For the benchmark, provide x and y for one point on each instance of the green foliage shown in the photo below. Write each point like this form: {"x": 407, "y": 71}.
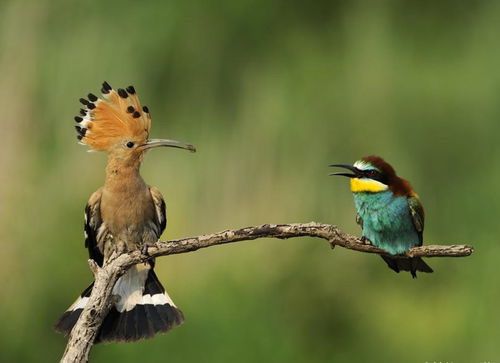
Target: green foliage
{"x": 270, "y": 92}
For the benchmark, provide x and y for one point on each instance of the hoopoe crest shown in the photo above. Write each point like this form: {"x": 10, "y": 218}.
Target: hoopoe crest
{"x": 117, "y": 121}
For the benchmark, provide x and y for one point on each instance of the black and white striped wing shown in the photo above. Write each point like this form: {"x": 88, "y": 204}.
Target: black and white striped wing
{"x": 93, "y": 223}
{"x": 94, "y": 227}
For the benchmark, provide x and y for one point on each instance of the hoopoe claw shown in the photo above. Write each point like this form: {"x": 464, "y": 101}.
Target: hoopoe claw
{"x": 145, "y": 246}
{"x": 144, "y": 249}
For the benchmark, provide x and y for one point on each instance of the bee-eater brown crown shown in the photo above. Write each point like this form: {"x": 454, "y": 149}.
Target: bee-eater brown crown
{"x": 399, "y": 186}
{"x": 113, "y": 119}
{"x": 379, "y": 163}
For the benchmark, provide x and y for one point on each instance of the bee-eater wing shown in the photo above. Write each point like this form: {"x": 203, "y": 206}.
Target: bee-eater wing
{"x": 417, "y": 215}
{"x": 359, "y": 220}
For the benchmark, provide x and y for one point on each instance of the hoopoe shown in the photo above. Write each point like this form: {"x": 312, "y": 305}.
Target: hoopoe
{"x": 124, "y": 215}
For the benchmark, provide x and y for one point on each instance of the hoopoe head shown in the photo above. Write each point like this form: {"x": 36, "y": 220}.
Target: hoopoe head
{"x": 118, "y": 124}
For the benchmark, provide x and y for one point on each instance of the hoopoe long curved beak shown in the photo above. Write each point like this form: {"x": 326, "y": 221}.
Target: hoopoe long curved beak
{"x": 168, "y": 143}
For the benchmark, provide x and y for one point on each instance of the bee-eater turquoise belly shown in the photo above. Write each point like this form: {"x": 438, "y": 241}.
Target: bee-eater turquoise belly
{"x": 387, "y": 222}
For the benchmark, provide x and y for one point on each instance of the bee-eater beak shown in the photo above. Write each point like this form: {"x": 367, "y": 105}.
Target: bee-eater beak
{"x": 168, "y": 143}
{"x": 345, "y": 166}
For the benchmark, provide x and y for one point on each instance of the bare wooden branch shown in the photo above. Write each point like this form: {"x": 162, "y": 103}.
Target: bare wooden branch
{"x": 83, "y": 334}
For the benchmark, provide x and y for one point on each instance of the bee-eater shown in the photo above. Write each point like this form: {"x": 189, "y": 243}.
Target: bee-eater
{"x": 124, "y": 215}
{"x": 388, "y": 211}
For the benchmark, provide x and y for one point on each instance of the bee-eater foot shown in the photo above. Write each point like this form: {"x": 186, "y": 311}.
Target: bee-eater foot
{"x": 365, "y": 240}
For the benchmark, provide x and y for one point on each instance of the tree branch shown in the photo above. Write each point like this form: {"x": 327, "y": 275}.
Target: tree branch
{"x": 83, "y": 334}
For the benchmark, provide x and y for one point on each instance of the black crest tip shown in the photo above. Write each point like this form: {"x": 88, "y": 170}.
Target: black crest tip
{"x": 83, "y": 112}
{"x": 81, "y": 130}
{"x": 131, "y": 90}
{"x": 145, "y": 109}
{"x": 130, "y": 109}
{"x": 106, "y": 86}
{"x": 83, "y": 101}
{"x": 78, "y": 119}
{"x": 92, "y": 97}
{"x": 136, "y": 114}
{"x": 91, "y": 106}
{"x": 122, "y": 93}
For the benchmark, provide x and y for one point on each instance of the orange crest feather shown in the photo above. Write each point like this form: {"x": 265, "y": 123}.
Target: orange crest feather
{"x": 115, "y": 118}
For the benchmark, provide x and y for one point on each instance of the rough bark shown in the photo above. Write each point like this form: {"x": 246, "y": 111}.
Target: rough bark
{"x": 83, "y": 334}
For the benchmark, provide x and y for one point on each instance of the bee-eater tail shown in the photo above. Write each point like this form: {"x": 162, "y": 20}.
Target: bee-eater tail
{"x": 143, "y": 308}
{"x": 411, "y": 265}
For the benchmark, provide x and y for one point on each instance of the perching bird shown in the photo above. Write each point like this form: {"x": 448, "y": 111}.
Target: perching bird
{"x": 388, "y": 210}
{"x": 124, "y": 215}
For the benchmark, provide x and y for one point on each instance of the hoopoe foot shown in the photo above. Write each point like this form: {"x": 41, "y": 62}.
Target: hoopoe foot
{"x": 144, "y": 248}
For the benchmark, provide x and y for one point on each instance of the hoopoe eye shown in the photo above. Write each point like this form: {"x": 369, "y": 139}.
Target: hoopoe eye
{"x": 130, "y": 144}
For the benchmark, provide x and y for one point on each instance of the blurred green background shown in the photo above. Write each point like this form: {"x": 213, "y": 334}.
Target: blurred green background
{"x": 270, "y": 92}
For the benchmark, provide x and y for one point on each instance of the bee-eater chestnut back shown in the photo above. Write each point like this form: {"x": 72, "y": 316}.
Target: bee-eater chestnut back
{"x": 388, "y": 210}
{"x": 124, "y": 215}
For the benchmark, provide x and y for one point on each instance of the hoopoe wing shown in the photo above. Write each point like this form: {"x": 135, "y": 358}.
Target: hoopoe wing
{"x": 161, "y": 210}
{"x": 93, "y": 223}
{"x": 94, "y": 228}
